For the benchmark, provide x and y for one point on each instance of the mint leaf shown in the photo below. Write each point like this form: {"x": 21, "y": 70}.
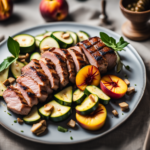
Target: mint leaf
{"x": 8, "y": 61}
{"x": 13, "y": 47}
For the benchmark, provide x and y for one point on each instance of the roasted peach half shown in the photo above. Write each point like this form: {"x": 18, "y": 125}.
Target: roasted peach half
{"x": 95, "y": 120}
{"x": 113, "y": 86}
{"x": 88, "y": 75}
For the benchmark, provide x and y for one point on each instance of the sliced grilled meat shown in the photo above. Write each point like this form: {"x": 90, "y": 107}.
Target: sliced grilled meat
{"x": 28, "y": 94}
{"x": 77, "y": 58}
{"x": 79, "y": 49}
{"x": 34, "y": 70}
{"x": 110, "y": 56}
{"x": 70, "y": 62}
{"x": 49, "y": 69}
{"x": 61, "y": 66}
{"x": 38, "y": 90}
{"x": 15, "y": 101}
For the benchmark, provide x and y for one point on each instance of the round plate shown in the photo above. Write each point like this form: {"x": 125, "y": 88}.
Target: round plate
{"x": 137, "y": 76}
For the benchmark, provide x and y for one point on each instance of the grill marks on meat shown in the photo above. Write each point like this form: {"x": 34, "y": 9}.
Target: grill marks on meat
{"x": 38, "y": 90}
{"x": 35, "y": 71}
{"x": 98, "y": 54}
{"x": 28, "y": 94}
{"x": 15, "y": 101}
{"x": 70, "y": 62}
{"x": 49, "y": 69}
{"x": 60, "y": 66}
{"x": 77, "y": 58}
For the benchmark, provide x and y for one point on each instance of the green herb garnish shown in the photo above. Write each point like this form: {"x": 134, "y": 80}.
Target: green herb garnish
{"x": 71, "y": 138}
{"x": 15, "y": 121}
{"x": 14, "y": 49}
{"x": 111, "y": 42}
{"x": 22, "y": 131}
{"x": 62, "y": 129}
{"x": 9, "y": 114}
{"x": 135, "y": 84}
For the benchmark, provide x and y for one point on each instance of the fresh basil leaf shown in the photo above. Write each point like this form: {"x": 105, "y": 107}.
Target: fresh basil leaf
{"x": 13, "y": 47}
{"x": 121, "y": 39}
{"x": 105, "y": 38}
{"x": 7, "y": 62}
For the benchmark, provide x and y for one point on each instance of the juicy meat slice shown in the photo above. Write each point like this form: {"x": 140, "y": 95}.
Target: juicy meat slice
{"x": 77, "y": 58}
{"x": 28, "y": 94}
{"x": 38, "y": 90}
{"x": 61, "y": 66}
{"x": 70, "y": 62}
{"x": 34, "y": 70}
{"x": 79, "y": 49}
{"x": 49, "y": 69}
{"x": 15, "y": 101}
{"x": 110, "y": 56}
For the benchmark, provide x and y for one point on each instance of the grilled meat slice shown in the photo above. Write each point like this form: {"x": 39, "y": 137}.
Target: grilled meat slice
{"x": 110, "y": 56}
{"x": 49, "y": 69}
{"x": 61, "y": 66}
{"x": 34, "y": 70}
{"x": 38, "y": 90}
{"x": 79, "y": 49}
{"x": 28, "y": 94}
{"x": 70, "y": 62}
{"x": 15, "y": 101}
{"x": 77, "y": 58}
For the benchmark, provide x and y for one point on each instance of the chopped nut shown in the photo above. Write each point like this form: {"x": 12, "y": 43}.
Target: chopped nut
{"x": 48, "y": 107}
{"x": 65, "y": 35}
{"x": 35, "y": 127}
{"x": 27, "y": 55}
{"x": 115, "y": 112}
{"x": 22, "y": 60}
{"x": 20, "y": 121}
{"x": 71, "y": 123}
{"x": 21, "y": 57}
{"x": 6, "y": 82}
{"x": 127, "y": 82}
{"x": 91, "y": 98}
{"x": 23, "y": 39}
{"x": 124, "y": 106}
{"x": 43, "y": 122}
{"x": 43, "y": 128}
{"x": 11, "y": 80}
{"x": 130, "y": 90}
{"x": 45, "y": 48}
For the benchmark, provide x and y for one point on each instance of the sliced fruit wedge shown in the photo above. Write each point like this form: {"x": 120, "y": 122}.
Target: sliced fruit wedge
{"x": 78, "y": 96}
{"x": 26, "y": 42}
{"x": 59, "y": 112}
{"x": 4, "y": 75}
{"x": 32, "y": 117}
{"x": 103, "y": 98}
{"x": 89, "y": 105}
{"x": 88, "y": 75}
{"x": 64, "y": 97}
{"x": 93, "y": 121}
{"x": 83, "y": 35}
{"x": 2, "y": 88}
{"x": 64, "y": 43}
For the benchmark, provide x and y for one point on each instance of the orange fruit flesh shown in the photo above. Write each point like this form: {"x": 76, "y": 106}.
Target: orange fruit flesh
{"x": 83, "y": 74}
{"x": 121, "y": 85}
{"x": 95, "y": 121}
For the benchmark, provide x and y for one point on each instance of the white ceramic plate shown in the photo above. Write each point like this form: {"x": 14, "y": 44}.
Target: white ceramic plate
{"x": 137, "y": 76}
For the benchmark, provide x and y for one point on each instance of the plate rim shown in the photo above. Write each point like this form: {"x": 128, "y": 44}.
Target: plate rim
{"x": 104, "y": 133}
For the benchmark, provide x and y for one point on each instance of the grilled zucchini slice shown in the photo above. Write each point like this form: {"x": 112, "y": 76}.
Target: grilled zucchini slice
{"x": 4, "y": 75}
{"x": 83, "y": 35}
{"x": 103, "y": 98}
{"x": 74, "y": 36}
{"x": 35, "y": 55}
{"x": 64, "y": 97}
{"x": 2, "y": 88}
{"x": 44, "y": 114}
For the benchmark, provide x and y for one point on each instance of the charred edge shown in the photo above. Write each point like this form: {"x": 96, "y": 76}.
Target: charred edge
{"x": 51, "y": 49}
{"x": 81, "y": 61}
{"x": 98, "y": 57}
{"x": 32, "y": 68}
{"x": 64, "y": 51}
{"x": 44, "y": 92}
{"x": 93, "y": 37}
{"x": 59, "y": 57}
{"x": 49, "y": 66}
{"x": 31, "y": 94}
{"x": 23, "y": 87}
{"x": 102, "y": 52}
{"x": 99, "y": 48}
{"x": 42, "y": 76}
{"x": 85, "y": 45}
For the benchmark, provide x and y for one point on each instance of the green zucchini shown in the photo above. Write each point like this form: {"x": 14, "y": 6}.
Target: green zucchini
{"x": 44, "y": 114}
{"x": 83, "y": 35}
{"x": 78, "y": 96}
{"x": 4, "y": 75}
{"x": 47, "y": 33}
{"x": 26, "y": 42}
{"x": 74, "y": 36}
{"x": 88, "y": 105}
{"x": 48, "y": 41}
{"x": 103, "y": 98}
{"x": 59, "y": 112}
{"x": 32, "y": 117}
{"x": 37, "y": 42}
{"x": 35, "y": 55}
{"x": 2, "y": 88}
{"x": 64, "y": 43}
{"x": 64, "y": 97}
{"x": 16, "y": 68}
